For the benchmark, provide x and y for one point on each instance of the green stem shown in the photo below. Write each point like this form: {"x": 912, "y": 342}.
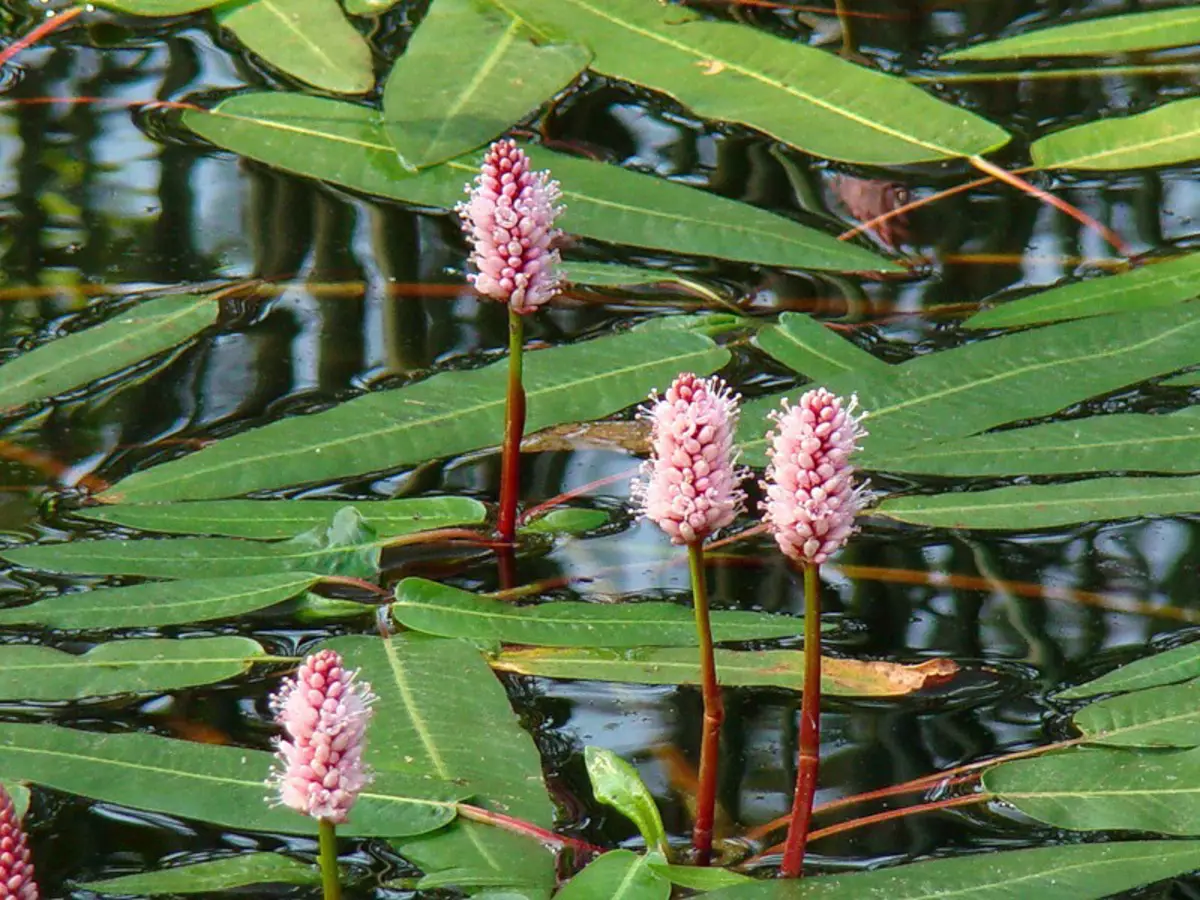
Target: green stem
{"x": 514, "y": 429}
{"x": 843, "y": 15}
{"x": 810, "y": 730}
{"x": 714, "y": 711}
{"x": 327, "y": 833}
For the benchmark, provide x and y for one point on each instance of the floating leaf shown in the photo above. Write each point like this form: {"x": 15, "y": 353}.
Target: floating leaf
{"x": 123, "y": 339}
{"x": 1028, "y": 507}
{"x": 468, "y": 74}
{"x": 209, "y": 783}
{"x": 567, "y": 521}
{"x": 1096, "y": 37}
{"x": 1155, "y": 284}
{"x": 160, "y": 603}
{"x": 438, "y": 700}
{"x": 265, "y": 519}
{"x": 243, "y": 870}
{"x": 1167, "y": 716}
{"x": 1165, "y": 136}
{"x": 148, "y": 665}
{"x": 434, "y": 608}
{"x": 594, "y": 274}
{"x": 158, "y": 7}
{"x": 617, "y": 784}
{"x": 617, "y": 875}
{"x": 803, "y": 96}
{"x": 806, "y": 346}
{"x": 1061, "y": 872}
{"x": 311, "y": 41}
{"x": 735, "y": 668}
{"x": 1129, "y": 442}
{"x": 344, "y": 144}
{"x": 1091, "y": 789}
{"x": 1187, "y": 379}
{"x": 1168, "y": 667}
{"x": 450, "y": 413}
{"x": 699, "y": 879}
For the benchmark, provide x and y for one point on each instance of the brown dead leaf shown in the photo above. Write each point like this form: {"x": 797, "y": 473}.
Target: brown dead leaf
{"x": 887, "y": 679}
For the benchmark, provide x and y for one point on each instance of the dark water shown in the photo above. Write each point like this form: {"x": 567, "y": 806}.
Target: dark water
{"x": 102, "y": 199}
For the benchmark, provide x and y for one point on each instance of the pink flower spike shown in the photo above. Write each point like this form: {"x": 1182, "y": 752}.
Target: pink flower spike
{"x": 509, "y": 219}
{"x": 16, "y": 870}
{"x": 325, "y": 713}
{"x": 811, "y": 499}
{"x": 689, "y": 486}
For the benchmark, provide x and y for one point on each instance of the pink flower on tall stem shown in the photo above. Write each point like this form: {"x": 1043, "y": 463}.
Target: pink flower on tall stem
{"x": 16, "y": 870}
{"x": 324, "y": 712}
{"x": 509, "y": 219}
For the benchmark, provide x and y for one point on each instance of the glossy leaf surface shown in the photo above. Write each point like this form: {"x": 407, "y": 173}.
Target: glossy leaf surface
{"x": 1167, "y": 716}
{"x": 1166, "y": 667}
{"x": 243, "y": 870}
{"x": 1166, "y": 135}
{"x": 1096, "y": 37}
{"x": 617, "y": 784}
{"x": 617, "y": 875}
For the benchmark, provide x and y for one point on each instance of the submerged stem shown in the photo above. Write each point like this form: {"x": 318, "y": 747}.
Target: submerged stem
{"x": 810, "y": 730}
{"x": 514, "y": 429}
{"x": 327, "y": 837}
{"x": 714, "y": 711}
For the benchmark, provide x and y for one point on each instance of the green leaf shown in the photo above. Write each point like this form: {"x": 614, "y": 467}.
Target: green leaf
{"x": 1061, "y": 872}
{"x": 594, "y": 274}
{"x": 265, "y": 519}
{"x": 467, "y": 75}
{"x": 809, "y": 348}
{"x": 1155, "y": 284}
{"x": 160, "y": 603}
{"x": 123, "y": 339}
{"x": 344, "y": 144}
{"x": 311, "y": 41}
{"x": 1165, "y": 136}
{"x": 221, "y": 785}
{"x": 434, "y": 608}
{"x": 567, "y": 521}
{"x": 1187, "y": 379}
{"x": 158, "y": 7}
{"x": 954, "y": 393}
{"x": 617, "y": 875}
{"x": 1167, "y": 716}
{"x": 147, "y": 665}
{"x": 1092, "y": 789}
{"x": 698, "y": 879}
{"x": 243, "y": 870}
{"x": 442, "y": 712}
{"x": 805, "y": 97}
{"x": 1096, "y": 37}
{"x": 617, "y": 784}
{"x": 450, "y": 413}
{"x": 368, "y": 7}
{"x": 1128, "y": 442}
{"x": 1167, "y": 667}
{"x": 1028, "y": 507}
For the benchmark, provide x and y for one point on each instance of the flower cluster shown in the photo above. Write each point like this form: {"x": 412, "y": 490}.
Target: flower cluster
{"x": 811, "y": 498}
{"x": 16, "y": 871}
{"x": 689, "y": 486}
{"x": 325, "y": 713}
{"x": 510, "y": 221}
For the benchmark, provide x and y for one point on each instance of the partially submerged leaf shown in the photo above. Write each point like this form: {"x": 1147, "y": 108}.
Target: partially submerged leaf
{"x": 567, "y": 521}
{"x": 617, "y": 784}
{"x": 210, "y": 876}
{"x": 1165, "y": 136}
{"x": 1107, "y": 36}
{"x": 158, "y": 7}
{"x": 1166, "y": 667}
{"x": 1167, "y": 716}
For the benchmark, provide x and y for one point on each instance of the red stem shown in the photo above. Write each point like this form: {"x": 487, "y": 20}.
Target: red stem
{"x": 714, "y": 712}
{"x": 53, "y": 21}
{"x": 534, "y": 512}
{"x": 514, "y": 430}
{"x": 528, "y": 829}
{"x": 810, "y": 730}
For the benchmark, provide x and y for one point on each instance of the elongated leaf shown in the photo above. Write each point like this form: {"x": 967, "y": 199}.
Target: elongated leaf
{"x": 442, "y": 712}
{"x": 1129, "y": 442}
{"x": 1159, "y": 284}
{"x": 1101, "y": 788}
{"x": 617, "y": 875}
{"x": 450, "y": 413}
{"x": 735, "y": 668}
{"x": 1167, "y": 716}
{"x": 567, "y": 521}
{"x": 1063, "y": 872}
{"x": 469, "y": 72}
{"x": 368, "y": 7}
{"x": 596, "y": 274}
{"x": 344, "y": 144}
{"x": 1096, "y": 37}
{"x": 1027, "y": 507}
{"x": 954, "y": 393}
{"x": 1164, "y": 136}
{"x": 1168, "y": 667}
{"x": 617, "y": 784}
{"x": 1187, "y": 379}
{"x": 311, "y": 41}
{"x": 243, "y": 870}
{"x": 30, "y": 672}
{"x": 124, "y": 339}
{"x": 806, "y": 346}
{"x": 805, "y": 97}
{"x": 434, "y": 608}
{"x": 158, "y": 7}
{"x": 221, "y": 785}
{"x": 699, "y": 879}
{"x": 285, "y": 518}
{"x": 160, "y": 603}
